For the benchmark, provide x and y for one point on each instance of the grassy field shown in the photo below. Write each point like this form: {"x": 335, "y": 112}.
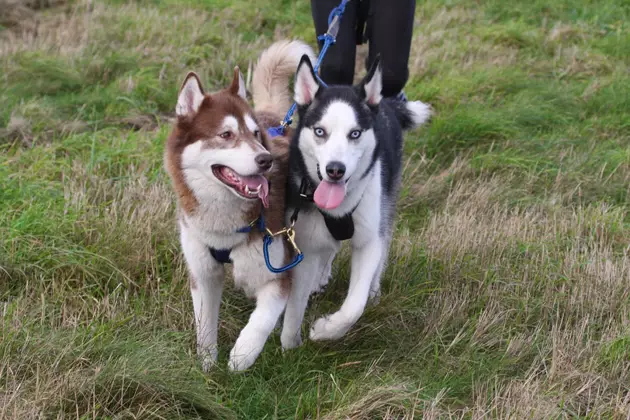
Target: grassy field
{"x": 508, "y": 289}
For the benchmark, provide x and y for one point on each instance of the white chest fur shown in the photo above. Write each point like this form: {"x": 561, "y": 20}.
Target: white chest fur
{"x": 249, "y": 269}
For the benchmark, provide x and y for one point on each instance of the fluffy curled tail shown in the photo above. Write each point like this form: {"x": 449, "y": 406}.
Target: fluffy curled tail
{"x": 270, "y": 79}
{"x": 411, "y": 114}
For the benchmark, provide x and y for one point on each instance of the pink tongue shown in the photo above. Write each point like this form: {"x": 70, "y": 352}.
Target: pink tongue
{"x": 253, "y": 182}
{"x": 329, "y": 195}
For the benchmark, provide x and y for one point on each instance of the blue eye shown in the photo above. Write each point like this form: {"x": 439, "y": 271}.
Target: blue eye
{"x": 355, "y": 134}
{"x": 319, "y": 132}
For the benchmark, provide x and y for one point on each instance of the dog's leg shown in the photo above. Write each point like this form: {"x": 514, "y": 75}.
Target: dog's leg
{"x": 366, "y": 260}
{"x": 375, "y": 287}
{"x": 304, "y": 276}
{"x": 271, "y": 300}
{"x": 320, "y": 285}
{"x": 206, "y": 286}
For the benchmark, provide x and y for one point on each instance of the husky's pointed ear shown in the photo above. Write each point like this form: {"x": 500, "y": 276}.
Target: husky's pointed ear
{"x": 372, "y": 84}
{"x": 306, "y": 84}
{"x": 238, "y": 84}
{"x": 190, "y": 96}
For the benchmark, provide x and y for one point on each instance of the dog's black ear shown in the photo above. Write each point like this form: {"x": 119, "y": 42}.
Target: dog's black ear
{"x": 238, "y": 84}
{"x": 190, "y": 96}
{"x": 372, "y": 84}
{"x": 306, "y": 84}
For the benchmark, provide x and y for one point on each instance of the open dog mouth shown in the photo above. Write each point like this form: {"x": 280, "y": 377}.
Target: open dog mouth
{"x": 250, "y": 187}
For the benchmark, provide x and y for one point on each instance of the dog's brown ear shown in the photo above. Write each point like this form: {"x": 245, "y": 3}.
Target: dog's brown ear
{"x": 190, "y": 96}
{"x": 238, "y": 84}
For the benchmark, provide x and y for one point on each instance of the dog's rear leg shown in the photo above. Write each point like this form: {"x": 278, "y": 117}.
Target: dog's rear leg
{"x": 375, "y": 287}
{"x": 320, "y": 285}
{"x": 366, "y": 260}
{"x": 271, "y": 300}
{"x": 206, "y": 286}
{"x": 304, "y": 277}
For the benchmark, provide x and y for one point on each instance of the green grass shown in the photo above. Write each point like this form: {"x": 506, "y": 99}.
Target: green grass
{"x": 509, "y": 276}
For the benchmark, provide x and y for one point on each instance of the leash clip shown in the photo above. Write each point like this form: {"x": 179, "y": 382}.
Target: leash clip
{"x": 291, "y": 238}
{"x": 290, "y": 234}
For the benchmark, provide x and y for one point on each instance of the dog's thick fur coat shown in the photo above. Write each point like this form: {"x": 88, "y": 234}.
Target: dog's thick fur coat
{"x": 216, "y": 154}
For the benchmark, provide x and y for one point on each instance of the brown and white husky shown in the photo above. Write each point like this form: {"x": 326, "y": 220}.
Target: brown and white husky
{"x": 227, "y": 174}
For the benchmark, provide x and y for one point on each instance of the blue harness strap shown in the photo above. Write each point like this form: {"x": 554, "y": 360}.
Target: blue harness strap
{"x": 329, "y": 38}
{"x": 258, "y": 223}
{"x": 223, "y": 255}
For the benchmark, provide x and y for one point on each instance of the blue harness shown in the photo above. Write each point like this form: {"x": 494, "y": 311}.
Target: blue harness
{"x": 223, "y": 255}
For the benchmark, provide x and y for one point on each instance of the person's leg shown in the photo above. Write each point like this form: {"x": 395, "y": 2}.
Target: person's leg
{"x": 390, "y": 27}
{"x": 337, "y": 68}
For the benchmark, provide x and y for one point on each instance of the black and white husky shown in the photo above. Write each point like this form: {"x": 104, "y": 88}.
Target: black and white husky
{"x": 345, "y": 167}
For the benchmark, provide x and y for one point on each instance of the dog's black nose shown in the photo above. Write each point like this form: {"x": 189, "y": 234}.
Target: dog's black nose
{"x": 264, "y": 161}
{"x": 335, "y": 170}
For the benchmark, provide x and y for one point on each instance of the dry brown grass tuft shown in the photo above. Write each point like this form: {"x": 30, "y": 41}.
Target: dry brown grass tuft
{"x": 383, "y": 402}
{"x": 548, "y": 285}
{"x": 21, "y": 15}
{"x": 127, "y": 221}
{"x": 13, "y": 12}
{"x": 18, "y": 128}
{"x": 21, "y": 125}
{"x": 570, "y": 262}
{"x": 426, "y": 185}
{"x": 65, "y": 375}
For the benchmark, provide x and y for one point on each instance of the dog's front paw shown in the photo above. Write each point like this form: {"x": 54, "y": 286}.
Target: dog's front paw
{"x": 245, "y": 352}
{"x": 208, "y": 358}
{"x": 290, "y": 341}
{"x": 329, "y": 328}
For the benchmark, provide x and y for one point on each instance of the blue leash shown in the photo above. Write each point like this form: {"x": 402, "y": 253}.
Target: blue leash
{"x": 268, "y": 239}
{"x": 298, "y": 257}
{"x": 329, "y": 38}
{"x": 223, "y": 255}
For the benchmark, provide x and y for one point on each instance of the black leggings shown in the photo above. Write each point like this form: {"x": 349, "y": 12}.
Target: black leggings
{"x": 389, "y": 32}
